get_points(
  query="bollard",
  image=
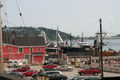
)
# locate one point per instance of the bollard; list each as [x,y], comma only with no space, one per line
[46,78]
[42,78]
[38,77]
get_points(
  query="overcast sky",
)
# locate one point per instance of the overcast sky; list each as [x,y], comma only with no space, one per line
[71,16]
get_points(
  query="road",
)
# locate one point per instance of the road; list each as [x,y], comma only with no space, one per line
[73,73]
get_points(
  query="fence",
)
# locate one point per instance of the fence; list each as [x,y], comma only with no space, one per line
[114,70]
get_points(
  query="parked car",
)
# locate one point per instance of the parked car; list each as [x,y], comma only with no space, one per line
[50,69]
[65,68]
[92,70]
[18,74]
[56,75]
[51,65]
[14,63]
[44,70]
[52,75]
[30,72]
[22,69]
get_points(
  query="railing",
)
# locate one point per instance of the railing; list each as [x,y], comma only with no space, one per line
[115,70]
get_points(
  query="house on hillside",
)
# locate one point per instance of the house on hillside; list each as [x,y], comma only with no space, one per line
[28,48]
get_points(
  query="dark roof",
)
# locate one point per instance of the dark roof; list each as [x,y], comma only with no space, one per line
[29,41]
[23,40]
[6,37]
[9,37]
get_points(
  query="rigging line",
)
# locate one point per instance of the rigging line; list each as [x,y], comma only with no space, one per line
[109,32]
[20,13]
[6,12]
[9,22]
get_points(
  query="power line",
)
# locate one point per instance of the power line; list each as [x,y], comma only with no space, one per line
[9,22]
[20,13]
[6,16]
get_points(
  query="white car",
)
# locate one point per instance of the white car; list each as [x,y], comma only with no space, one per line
[65,68]
[14,63]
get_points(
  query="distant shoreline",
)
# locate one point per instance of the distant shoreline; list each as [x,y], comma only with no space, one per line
[108,37]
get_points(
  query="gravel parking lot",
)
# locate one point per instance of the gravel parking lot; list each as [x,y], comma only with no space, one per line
[69,74]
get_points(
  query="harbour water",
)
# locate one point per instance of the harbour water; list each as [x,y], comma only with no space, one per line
[110,44]
[113,43]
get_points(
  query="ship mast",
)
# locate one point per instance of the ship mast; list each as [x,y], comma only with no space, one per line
[57,51]
[1,55]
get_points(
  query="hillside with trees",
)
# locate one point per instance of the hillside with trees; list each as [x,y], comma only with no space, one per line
[32,31]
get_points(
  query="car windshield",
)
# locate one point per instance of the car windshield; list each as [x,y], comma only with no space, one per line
[92,68]
[9,61]
[53,74]
[64,66]
[51,64]
[47,69]
[15,61]
[30,71]
[25,67]
[87,68]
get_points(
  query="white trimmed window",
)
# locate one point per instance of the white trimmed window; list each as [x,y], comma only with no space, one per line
[20,49]
[9,49]
[39,49]
[31,50]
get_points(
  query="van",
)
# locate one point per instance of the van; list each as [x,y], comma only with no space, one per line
[14,63]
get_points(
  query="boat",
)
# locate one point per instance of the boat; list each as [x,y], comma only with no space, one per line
[82,49]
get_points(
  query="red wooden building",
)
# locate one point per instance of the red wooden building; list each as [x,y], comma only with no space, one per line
[32,49]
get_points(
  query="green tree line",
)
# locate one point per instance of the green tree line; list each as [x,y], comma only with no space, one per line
[32,31]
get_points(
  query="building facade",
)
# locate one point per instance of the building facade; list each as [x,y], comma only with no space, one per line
[32,49]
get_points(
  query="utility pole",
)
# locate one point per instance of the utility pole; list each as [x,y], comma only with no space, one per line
[1,55]
[57,45]
[101,43]
[70,39]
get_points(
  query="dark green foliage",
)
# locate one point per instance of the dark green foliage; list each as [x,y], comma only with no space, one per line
[31,31]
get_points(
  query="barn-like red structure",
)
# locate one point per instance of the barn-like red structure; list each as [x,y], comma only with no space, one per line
[28,48]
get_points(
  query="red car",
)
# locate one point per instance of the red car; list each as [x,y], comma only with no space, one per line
[50,66]
[30,72]
[22,69]
[94,71]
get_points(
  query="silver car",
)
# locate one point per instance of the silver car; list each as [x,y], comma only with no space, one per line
[65,68]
